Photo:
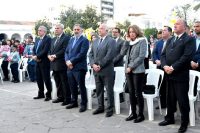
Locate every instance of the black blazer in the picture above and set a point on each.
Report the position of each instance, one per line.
(42, 50)
(59, 50)
(178, 54)
(118, 60)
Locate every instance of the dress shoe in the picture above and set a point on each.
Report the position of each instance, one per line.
(131, 117)
(47, 99)
(16, 81)
(139, 119)
(57, 101)
(166, 122)
(98, 111)
(161, 107)
(38, 97)
(109, 114)
(82, 109)
(5, 79)
(73, 105)
(65, 103)
(182, 129)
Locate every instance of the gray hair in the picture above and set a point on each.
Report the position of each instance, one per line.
(60, 25)
(44, 28)
(79, 25)
(105, 26)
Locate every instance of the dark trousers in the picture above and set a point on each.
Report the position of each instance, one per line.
(4, 67)
(14, 71)
(77, 78)
(178, 91)
(107, 81)
(63, 90)
(135, 84)
(43, 76)
(32, 72)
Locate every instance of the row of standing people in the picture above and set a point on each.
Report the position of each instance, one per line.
(175, 60)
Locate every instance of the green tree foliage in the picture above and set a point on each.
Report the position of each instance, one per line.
(183, 11)
(150, 31)
(43, 22)
(87, 19)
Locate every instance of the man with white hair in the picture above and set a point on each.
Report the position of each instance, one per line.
(101, 59)
(40, 51)
(57, 58)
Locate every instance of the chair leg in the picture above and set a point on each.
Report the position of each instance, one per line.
(54, 89)
(89, 96)
(197, 110)
(192, 114)
(159, 105)
(20, 75)
(117, 103)
(150, 108)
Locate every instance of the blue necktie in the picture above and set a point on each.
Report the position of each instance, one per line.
(99, 45)
(38, 45)
(75, 40)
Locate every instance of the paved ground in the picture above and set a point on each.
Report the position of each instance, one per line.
(19, 113)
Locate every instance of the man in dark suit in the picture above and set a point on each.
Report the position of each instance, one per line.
(118, 60)
(76, 60)
(159, 47)
(175, 61)
(57, 58)
(196, 59)
(101, 59)
(40, 51)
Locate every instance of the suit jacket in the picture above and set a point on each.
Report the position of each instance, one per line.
(59, 50)
(42, 51)
(158, 50)
(77, 54)
(118, 60)
(135, 55)
(103, 55)
(178, 54)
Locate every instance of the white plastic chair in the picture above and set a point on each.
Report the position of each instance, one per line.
(24, 62)
(198, 100)
(118, 86)
(153, 77)
(1, 73)
(90, 86)
(192, 98)
(151, 65)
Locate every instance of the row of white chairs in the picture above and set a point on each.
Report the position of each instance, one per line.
(154, 77)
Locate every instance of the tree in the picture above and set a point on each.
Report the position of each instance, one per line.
(150, 31)
(87, 19)
(197, 7)
(43, 22)
(90, 18)
(70, 17)
(183, 11)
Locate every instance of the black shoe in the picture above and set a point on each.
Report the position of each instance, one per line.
(5, 79)
(139, 119)
(47, 99)
(109, 114)
(131, 117)
(182, 129)
(166, 122)
(73, 105)
(65, 103)
(38, 97)
(57, 101)
(161, 107)
(82, 109)
(98, 111)
(16, 81)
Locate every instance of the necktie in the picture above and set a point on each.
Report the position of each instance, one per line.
(100, 43)
(75, 40)
(38, 45)
(176, 38)
(57, 40)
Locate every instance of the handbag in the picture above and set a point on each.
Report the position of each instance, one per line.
(21, 65)
(149, 89)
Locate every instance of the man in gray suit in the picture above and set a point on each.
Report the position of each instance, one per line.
(101, 59)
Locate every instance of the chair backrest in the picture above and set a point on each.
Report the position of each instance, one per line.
(153, 78)
(119, 77)
(89, 80)
(193, 75)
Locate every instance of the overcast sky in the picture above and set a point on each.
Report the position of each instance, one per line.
(31, 10)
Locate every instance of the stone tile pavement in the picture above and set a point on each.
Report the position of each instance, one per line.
(19, 113)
